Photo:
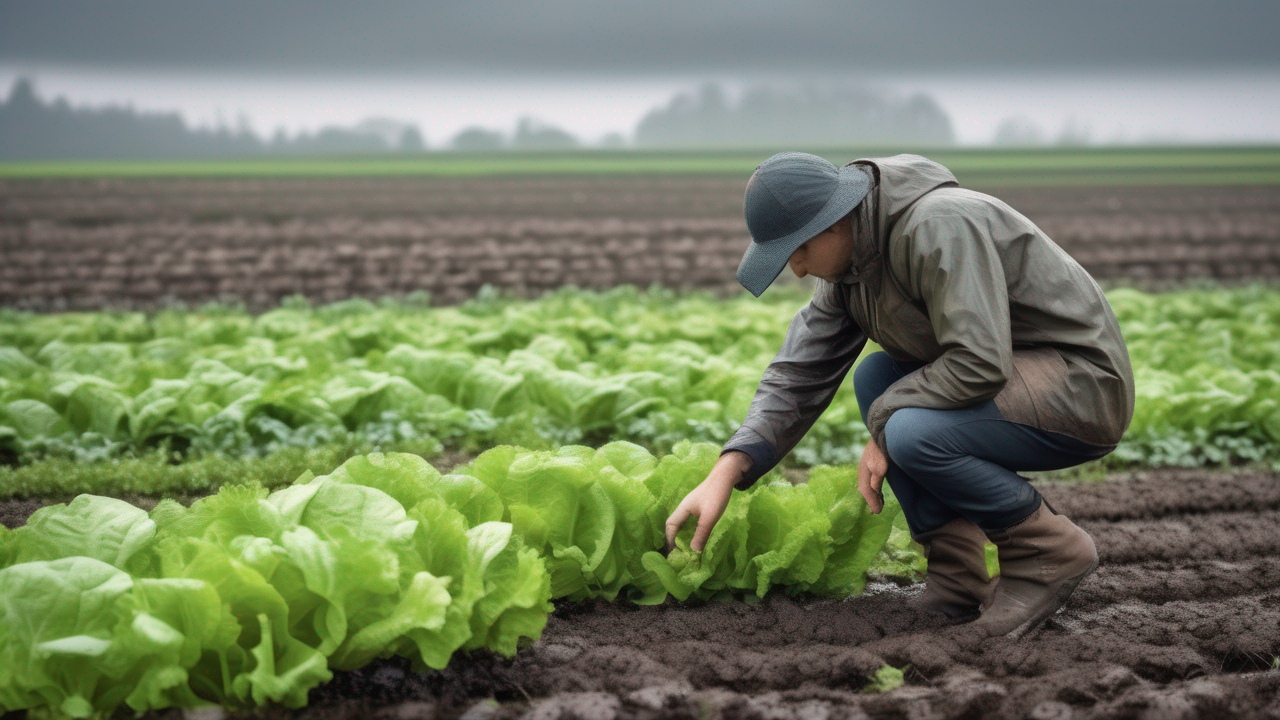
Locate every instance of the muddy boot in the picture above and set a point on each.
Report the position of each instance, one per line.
(957, 584)
(1042, 560)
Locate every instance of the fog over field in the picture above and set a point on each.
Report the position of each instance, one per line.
(1192, 107)
(1090, 73)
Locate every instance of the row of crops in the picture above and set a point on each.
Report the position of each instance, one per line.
(247, 598)
(594, 414)
(574, 367)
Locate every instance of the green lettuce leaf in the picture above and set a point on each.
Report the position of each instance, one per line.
(59, 619)
(91, 526)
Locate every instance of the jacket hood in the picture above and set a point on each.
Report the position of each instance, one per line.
(903, 179)
(900, 180)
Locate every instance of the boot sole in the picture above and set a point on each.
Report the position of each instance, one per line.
(1059, 599)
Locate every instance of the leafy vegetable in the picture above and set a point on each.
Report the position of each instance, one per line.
(573, 367)
(250, 597)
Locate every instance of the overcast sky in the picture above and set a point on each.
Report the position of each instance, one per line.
(1175, 70)
(657, 36)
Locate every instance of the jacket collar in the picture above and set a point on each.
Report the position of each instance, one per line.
(896, 183)
(867, 266)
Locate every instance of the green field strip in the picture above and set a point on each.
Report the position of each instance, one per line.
(158, 474)
(1257, 165)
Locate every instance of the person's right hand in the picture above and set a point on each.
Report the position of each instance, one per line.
(871, 471)
(708, 501)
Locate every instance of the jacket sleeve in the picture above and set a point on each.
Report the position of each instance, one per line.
(822, 343)
(953, 266)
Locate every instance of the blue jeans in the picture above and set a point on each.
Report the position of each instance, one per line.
(945, 464)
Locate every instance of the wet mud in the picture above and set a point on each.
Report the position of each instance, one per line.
(1181, 620)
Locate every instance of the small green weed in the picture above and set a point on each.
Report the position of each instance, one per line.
(885, 679)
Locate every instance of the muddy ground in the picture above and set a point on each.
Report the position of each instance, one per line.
(1181, 620)
(81, 245)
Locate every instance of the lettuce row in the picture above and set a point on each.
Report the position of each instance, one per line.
(249, 597)
(571, 367)
(536, 374)
(598, 517)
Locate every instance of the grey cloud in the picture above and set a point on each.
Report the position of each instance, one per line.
(663, 36)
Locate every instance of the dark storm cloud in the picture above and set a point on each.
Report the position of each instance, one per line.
(663, 36)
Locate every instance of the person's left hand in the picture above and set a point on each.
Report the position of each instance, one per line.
(871, 470)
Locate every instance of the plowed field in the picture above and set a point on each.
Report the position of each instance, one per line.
(114, 243)
(1181, 620)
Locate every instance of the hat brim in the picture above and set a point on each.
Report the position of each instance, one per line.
(763, 262)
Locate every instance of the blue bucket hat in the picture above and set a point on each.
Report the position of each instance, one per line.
(791, 197)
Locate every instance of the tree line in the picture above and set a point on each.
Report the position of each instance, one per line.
(33, 129)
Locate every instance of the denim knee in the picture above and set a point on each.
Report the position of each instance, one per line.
(908, 437)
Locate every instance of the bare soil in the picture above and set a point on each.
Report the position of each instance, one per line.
(80, 245)
(1181, 620)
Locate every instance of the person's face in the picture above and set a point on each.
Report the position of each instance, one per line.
(826, 255)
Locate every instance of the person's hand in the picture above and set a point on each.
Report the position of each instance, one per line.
(871, 470)
(708, 501)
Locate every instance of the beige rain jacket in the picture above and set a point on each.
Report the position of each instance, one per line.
(962, 281)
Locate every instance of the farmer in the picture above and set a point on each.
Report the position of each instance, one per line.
(1000, 354)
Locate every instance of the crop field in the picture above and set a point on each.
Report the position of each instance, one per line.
(406, 445)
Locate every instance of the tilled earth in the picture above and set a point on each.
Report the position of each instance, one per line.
(80, 245)
(1181, 620)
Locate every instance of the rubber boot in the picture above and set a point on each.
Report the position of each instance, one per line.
(956, 582)
(1042, 560)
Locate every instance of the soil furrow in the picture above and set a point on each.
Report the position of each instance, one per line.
(1155, 494)
(1166, 582)
(1214, 536)
(1097, 692)
(1246, 625)
(75, 245)
(1130, 660)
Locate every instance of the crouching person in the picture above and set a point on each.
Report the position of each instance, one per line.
(1001, 354)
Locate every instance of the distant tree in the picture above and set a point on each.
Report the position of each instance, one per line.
(31, 129)
(921, 120)
(411, 140)
(534, 134)
(808, 117)
(279, 140)
(390, 131)
(689, 120)
(613, 140)
(336, 141)
(1019, 130)
(1075, 133)
(478, 139)
(22, 96)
